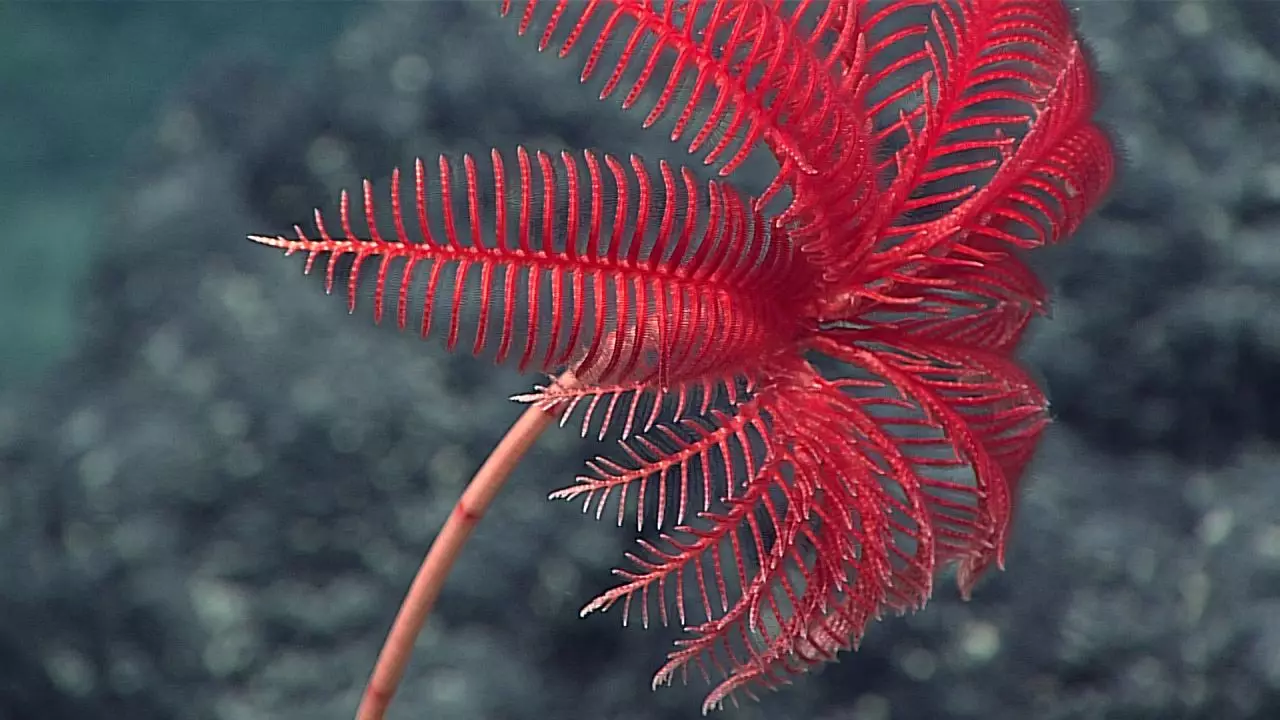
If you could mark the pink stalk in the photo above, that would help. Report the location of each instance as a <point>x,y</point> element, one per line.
<point>422,595</point>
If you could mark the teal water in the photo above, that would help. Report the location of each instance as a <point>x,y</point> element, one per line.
<point>81,80</point>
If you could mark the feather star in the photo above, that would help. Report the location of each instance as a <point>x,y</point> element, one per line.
<point>814,388</point>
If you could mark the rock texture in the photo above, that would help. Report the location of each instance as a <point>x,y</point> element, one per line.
<point>212,510</point>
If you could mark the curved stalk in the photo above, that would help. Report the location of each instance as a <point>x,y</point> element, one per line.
<point>444,551</point>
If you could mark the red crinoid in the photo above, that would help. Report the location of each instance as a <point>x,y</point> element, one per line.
<point>815,387</point>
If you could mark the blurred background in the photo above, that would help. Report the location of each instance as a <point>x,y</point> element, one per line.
<point>215,486</point>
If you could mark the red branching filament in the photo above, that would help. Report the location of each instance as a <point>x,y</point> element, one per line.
<point>814,388</point>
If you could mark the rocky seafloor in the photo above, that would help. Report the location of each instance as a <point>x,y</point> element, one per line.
<point>211,509</point>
